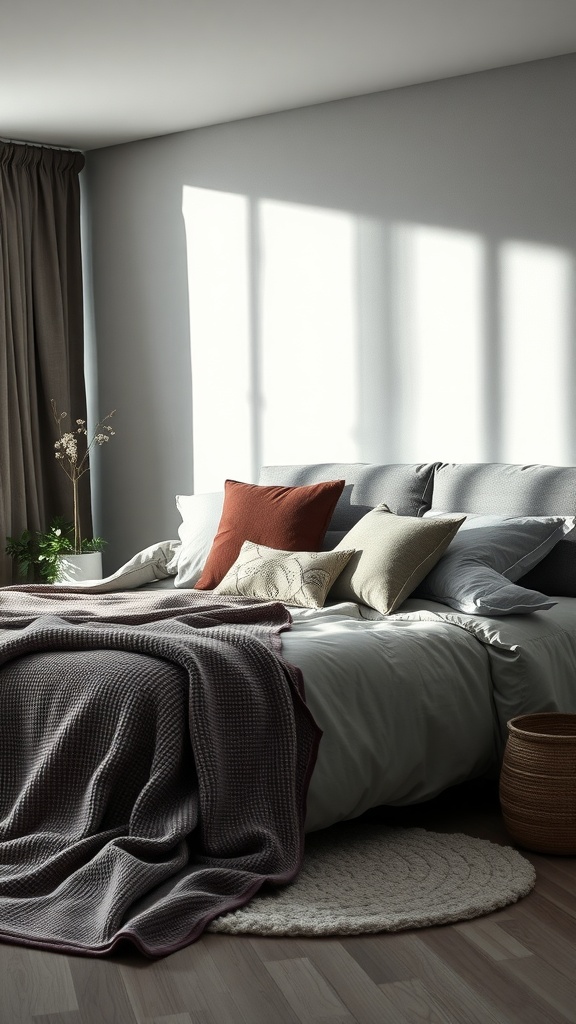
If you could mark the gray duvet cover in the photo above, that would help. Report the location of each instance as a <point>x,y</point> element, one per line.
<point>415,702</point>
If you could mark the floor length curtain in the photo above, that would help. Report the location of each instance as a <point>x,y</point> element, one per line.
<point>41,335</point>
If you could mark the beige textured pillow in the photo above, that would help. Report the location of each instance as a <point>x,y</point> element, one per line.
<point>393,555</point>
<point>301,578</point>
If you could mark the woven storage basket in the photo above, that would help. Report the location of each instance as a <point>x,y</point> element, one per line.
<point>538,782</point>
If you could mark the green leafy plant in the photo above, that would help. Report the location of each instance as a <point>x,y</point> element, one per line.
<point>37,553</point>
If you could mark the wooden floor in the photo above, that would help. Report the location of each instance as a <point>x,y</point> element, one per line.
<point>516,966</point>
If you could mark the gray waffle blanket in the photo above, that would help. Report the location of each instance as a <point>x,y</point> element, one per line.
<point>155,754</point>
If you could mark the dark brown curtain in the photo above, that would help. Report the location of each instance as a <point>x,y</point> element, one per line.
<point>41,335</point>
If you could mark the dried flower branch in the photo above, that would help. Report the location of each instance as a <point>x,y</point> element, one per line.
<point>72,450</point>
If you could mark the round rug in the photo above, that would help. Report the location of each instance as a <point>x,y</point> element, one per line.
<point>381,879</point>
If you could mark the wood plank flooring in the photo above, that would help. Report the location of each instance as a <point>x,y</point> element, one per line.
<point>516,966</point>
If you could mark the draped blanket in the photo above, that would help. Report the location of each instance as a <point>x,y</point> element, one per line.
<point>155,754</point>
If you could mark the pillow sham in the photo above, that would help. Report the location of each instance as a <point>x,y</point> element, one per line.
<point>154,563</point>
<point>477,573</point>
<point>200,517</point>
<point>393,555</point>
<point>286,518</point>
<point>301,578</point>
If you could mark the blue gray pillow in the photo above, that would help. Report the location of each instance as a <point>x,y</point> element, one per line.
<point>476,574</point>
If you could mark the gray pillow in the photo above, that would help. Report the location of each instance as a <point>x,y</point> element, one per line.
<point>477,572</point>
<point>392,555</point>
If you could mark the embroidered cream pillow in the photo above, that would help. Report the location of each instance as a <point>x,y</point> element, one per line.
<point>301,578</point>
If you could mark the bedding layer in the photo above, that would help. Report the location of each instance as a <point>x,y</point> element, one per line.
<point>153,773</point>
<point>532,657</point>
<point>405,708</point>
<point>417,701</point>
<point>409,704</point>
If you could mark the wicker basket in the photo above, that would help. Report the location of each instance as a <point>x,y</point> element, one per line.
<point>538,782</point>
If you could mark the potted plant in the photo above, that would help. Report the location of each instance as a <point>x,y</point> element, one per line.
<point>40,555</point>
<point>61,553</point>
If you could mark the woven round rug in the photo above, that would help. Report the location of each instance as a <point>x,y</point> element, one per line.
<point>381,879</point>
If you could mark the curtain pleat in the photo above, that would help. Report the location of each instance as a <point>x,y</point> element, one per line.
<point>41,336</point>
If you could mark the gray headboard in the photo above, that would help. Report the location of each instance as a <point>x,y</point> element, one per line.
<point>505,489</point>
<point>406,488</point>
<point>514,490</point>
<point>491,487</point>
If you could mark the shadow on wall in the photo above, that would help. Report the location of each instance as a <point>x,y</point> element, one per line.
<point>319,335</point>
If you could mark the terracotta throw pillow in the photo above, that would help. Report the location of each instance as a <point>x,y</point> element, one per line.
<point>288,518</point>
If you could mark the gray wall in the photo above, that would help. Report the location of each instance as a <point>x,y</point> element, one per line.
<point>428,313</point>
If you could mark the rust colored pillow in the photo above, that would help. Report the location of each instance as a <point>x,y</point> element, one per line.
<point>288,518</point>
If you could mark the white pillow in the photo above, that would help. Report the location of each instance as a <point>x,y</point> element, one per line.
<point>201,515</point>
<point>157,562</point>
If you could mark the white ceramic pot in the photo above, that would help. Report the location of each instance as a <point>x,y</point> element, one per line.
<point>74,568</point>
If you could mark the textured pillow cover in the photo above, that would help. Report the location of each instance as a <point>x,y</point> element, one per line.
<point>476,574</point>
<point>393,555</point>
<point>300,578</point>
<point>286,518</point>
<point>200,517</point>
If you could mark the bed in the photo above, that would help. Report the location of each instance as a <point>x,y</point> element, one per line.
<point>165,748</point>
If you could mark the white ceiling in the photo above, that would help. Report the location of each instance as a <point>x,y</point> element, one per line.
<point>90,73</point>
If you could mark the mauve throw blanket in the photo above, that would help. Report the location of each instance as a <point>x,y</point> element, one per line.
<point>155,754</point>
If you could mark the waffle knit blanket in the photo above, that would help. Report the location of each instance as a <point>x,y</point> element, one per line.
<point>155,754</point>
